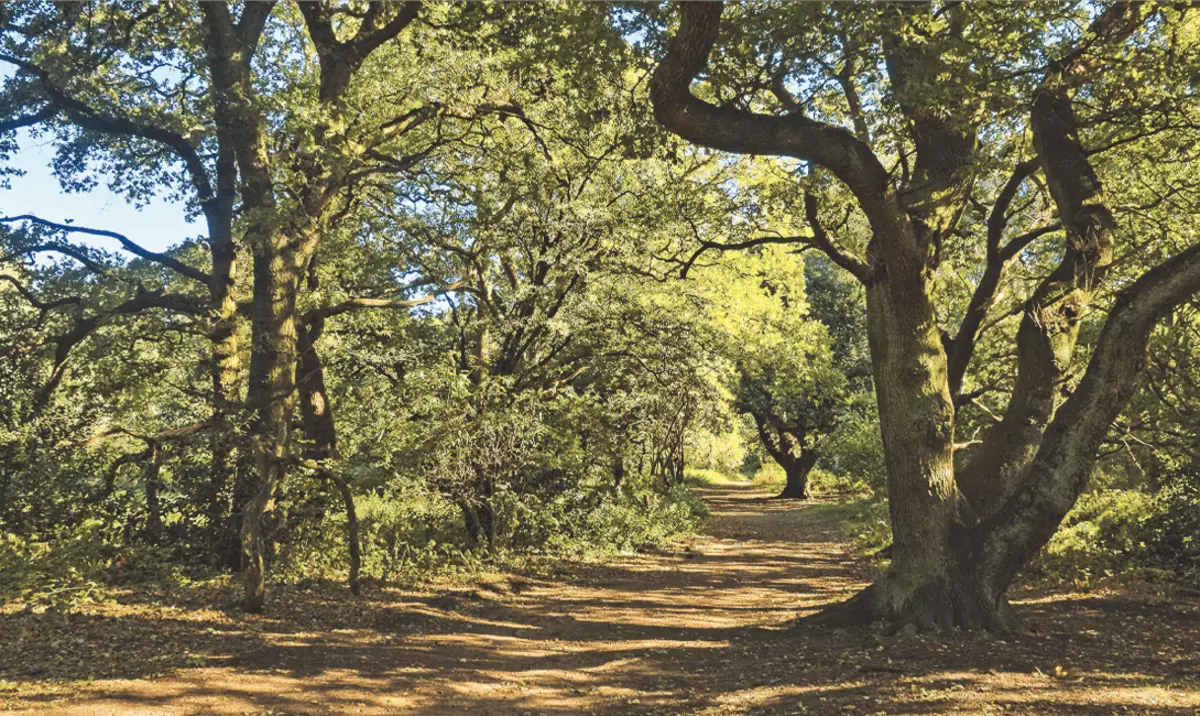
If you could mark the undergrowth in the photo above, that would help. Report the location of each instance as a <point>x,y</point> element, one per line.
<point>406,540</point>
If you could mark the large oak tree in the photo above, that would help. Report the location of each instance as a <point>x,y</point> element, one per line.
<point>923,87</point>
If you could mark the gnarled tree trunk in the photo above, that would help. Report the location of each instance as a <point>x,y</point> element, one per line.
<point>787,448</point>
<point>947,569</point>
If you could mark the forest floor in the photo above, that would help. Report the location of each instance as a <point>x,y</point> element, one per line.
<point>700,628</point>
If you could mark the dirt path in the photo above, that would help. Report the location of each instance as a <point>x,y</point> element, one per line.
<point>700,629</point>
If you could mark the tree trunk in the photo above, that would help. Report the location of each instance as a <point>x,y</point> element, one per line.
<point>944,572</point>
<point>1049,330</point>
<point>916,418</point>
<point>470,523</point>
<point>797,470</point>
<point>315,408</point>
<point>479,516</point>
<point>787,449</point>
<point>224,370</point>
<point>618,470</point>
<point>271,401</point>
<point>154,523</point>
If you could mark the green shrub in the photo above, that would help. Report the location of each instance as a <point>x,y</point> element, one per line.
<point>412,536</point>
<point>1105,533</point>
<point>628,524</point>
<point>824,482</point>
<point>64,565</point>
<point>404,536</point>
<point>864,521</point>
<point>1172,530</point>
<point>770,476</point>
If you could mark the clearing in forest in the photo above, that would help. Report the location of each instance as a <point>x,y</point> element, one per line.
<point>702,628</point>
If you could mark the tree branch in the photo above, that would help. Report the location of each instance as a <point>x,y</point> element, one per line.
<point>735,130</point>
<point>128,244</point>
<point>92,119</point>
<point>354,304</point>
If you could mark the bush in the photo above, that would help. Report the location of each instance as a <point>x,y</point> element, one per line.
<point>626,524</point>
<point>824,482</point>
<point>405,536</point>
<point>1104,534</point>
<point>865,521</point>
<point>413,536</point>
<point>855,451</point>
<point>770,476</point>
<point>66,565</point>
<point>1172,528</point>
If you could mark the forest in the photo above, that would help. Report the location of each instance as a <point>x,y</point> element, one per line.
<point>758,357</point>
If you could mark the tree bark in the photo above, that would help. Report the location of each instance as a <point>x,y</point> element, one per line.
<point>797,471</point>
<point>1050,327</point>
<point>277,269</point>
<point>1060,470</point>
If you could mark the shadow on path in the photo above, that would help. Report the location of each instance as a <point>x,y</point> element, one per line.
<point>697,629</point>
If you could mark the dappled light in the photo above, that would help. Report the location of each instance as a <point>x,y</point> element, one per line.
<point>582,357</point>
<point>703,627</point>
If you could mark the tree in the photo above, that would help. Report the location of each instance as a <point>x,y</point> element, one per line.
<point>281,196</point>
<point>784,372</point>
<point>959,538</point>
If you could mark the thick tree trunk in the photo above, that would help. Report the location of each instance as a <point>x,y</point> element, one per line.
<point>786,447</point>
<point>278,262</point>
<point>916,417</point>
<point>797,470</point>
<point>943,572</point>
<point>223,337</point>
<point>271,397</point>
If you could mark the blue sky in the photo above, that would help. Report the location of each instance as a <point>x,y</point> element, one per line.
<point>157,226</point>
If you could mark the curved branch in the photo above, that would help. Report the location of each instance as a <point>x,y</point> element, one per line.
<point>28,120</point>
<point>128,244</point>
<point>1060,470</point>
<point>821,240</point>
<point>735,130</point>
<point>354,304</point>
<point>89,118</point>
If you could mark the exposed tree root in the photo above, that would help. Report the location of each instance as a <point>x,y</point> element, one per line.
<point>939,607</point>
<point>792,492</point>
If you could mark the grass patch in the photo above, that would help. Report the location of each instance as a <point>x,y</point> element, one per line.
<point>769,477</point>
<point>863,520</point>
<point>701,477</point>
